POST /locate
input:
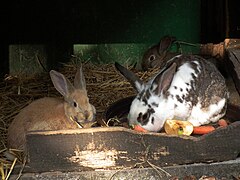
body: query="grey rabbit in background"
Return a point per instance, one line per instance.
(159, 54)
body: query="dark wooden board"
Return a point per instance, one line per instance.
(118, 147)
(233, 66)
(228, 170)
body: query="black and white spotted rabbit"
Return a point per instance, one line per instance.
(188, 88)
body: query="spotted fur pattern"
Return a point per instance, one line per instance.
(196, 92)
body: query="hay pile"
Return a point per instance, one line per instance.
(104, 84)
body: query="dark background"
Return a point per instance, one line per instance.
(63, 23)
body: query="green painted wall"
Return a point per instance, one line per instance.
(107, 31)
(157, 18)
(125, 30)
(127, 53)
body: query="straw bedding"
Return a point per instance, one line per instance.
(104, 84)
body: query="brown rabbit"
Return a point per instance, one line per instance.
(158, 54)
(49, 113)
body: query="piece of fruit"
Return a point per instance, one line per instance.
(178, 127)
(203, 129)
(222, 123)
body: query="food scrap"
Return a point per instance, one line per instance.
(139, 128)
(178, 127)
(181, 127)
(222, 123)
(203, 129)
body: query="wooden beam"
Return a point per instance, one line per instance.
(118, 147)
(221, 170)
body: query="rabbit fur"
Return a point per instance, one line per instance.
(159, 54)
(188, 88)
(50, 113)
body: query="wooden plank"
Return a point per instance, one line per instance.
(233, 66)
(118, 147)
(221, 170)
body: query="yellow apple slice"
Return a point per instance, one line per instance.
(178, 127)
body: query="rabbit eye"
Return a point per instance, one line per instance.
(152, 57)
(74, 104)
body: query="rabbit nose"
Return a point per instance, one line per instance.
(86, 114)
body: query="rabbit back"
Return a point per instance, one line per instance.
(43, 114)
(198, 90)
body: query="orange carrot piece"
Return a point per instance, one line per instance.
(222, 123)
(203, 129)
(139, 128)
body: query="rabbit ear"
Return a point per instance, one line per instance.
(79, 80)
(163, 80)
(165, 43)
(131, 77)
(62, 85)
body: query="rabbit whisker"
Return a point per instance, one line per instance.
(74, 119)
